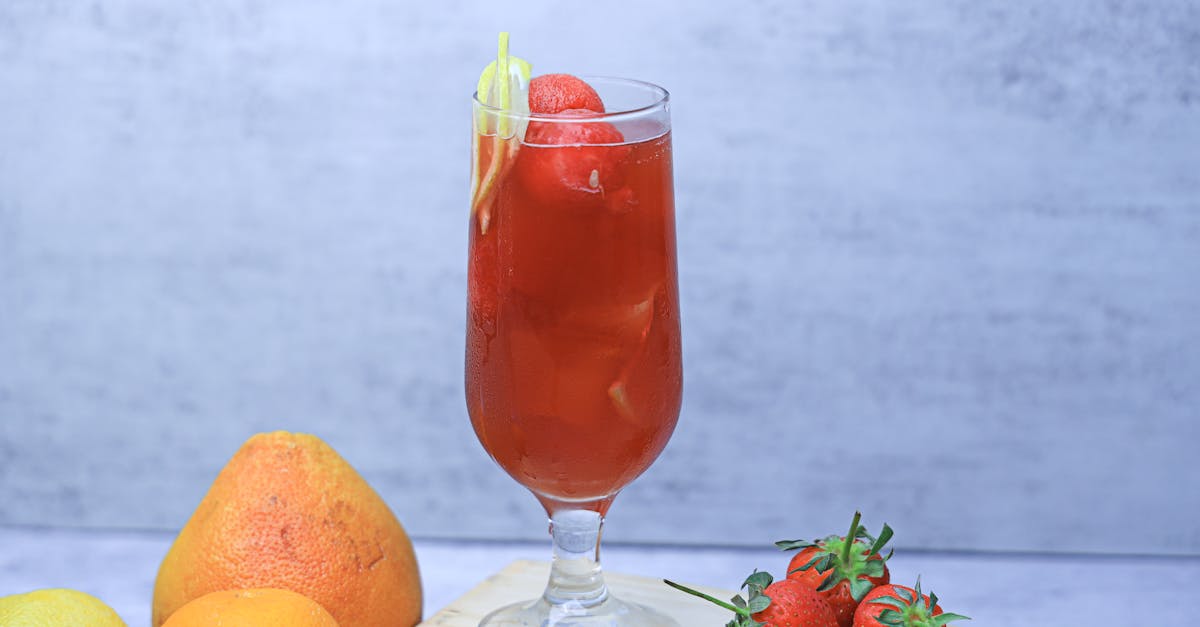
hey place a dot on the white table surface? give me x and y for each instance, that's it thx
(1010, 590)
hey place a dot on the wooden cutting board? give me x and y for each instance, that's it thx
(525, 579)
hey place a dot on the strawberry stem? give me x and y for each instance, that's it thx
(741, 611)
(850, 537)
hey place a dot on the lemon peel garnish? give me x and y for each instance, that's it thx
(503, 85)
(499, 94)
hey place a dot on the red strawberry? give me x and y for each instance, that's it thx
(843, 569)
(900, 606)
(770, 603)
(795, 605)
(569, 161)
(555, 93)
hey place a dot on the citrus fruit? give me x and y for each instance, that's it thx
(262, 607)
(509, 94)
(503, 85)
(55, 607)
(288, 512)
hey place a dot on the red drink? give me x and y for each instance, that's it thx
(573, 367)
(573, 344)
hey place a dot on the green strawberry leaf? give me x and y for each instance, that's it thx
(828, 583)
(892, 602)
(817, 557)
(789, 545)
(759, 603)
(860, 587)
(883, 538)
(758, 579)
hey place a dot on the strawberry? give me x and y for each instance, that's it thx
(555, 93)
(795, 605)
(770, 603)
(894, 605)
(843, 569)
(570, 162)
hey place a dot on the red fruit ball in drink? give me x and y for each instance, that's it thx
(572, 161)
(556, 93)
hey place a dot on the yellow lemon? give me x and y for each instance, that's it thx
(55, 607)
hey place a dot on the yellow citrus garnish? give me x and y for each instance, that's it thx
(499, 94)
(503, 85)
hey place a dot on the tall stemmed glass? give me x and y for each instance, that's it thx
(573, 344)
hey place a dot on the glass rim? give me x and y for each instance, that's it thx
(661, 101)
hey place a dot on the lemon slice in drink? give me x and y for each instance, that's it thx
(506, 95)
(504, 85)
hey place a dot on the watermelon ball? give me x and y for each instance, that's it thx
(556, 93)
(572, 162)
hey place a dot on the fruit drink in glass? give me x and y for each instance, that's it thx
(573, 369)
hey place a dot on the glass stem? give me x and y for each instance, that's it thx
(576, 579)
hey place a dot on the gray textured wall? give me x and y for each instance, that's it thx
(939, 260)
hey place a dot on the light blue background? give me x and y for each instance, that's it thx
(939, 261)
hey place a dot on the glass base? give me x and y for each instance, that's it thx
(608, 613)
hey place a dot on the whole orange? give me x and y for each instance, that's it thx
(288, 512)
(262, 607)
